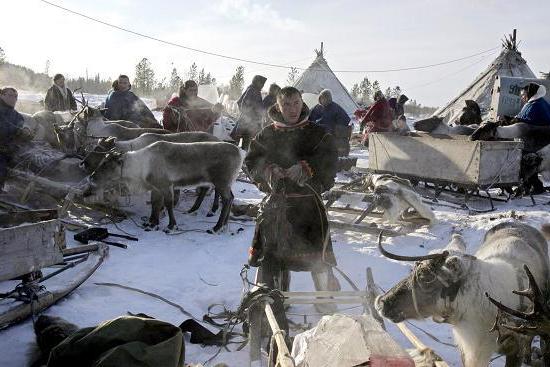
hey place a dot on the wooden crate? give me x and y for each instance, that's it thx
(446, 159)
(28, 247)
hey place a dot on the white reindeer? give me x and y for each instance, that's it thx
(451, 287)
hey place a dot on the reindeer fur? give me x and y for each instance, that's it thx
(395, 195)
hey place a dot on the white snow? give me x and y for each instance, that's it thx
(196, 269)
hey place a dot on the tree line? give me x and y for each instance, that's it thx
(146, 83)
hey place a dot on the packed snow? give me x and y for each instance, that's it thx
(195, 269)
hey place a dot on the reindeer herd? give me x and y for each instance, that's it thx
(142, 159)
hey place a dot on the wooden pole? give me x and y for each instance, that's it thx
(372, 293)
(422, 348)
(283, 356)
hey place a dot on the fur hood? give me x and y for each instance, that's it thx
(276, 116)
(541, 92)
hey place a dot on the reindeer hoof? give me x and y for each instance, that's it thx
(170, 229)
(151, 227)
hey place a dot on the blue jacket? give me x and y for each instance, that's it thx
(536, 112)
(11, 122)
(126, 106)
(330, 116)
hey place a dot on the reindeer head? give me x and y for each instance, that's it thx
(102, 161)
(433, 283)
(89, 113)
(487, 131)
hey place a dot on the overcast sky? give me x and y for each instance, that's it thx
(358, 35)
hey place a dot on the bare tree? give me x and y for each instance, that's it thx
(292, 76)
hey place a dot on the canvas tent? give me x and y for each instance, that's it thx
(508, 63)
(319, 76)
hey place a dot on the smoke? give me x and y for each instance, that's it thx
(23, 78)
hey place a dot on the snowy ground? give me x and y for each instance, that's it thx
(196, 269)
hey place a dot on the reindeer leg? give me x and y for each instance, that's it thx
(227, 201)
(168, 197)
(156, 207)
(202, 190)
(215, 204)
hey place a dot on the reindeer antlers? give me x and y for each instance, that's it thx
(536, 322)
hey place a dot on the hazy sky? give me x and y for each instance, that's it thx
(358, 35)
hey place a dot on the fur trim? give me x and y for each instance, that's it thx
(541, 92)
(278, 121)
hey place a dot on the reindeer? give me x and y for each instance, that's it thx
(150, 138)
(92, 126)
(450, 287)
(161, 166)
(395, 195)
(534, 137)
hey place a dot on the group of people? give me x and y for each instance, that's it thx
(292, 157)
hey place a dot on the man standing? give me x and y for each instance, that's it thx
(334, 119)
(251, 108)
(11, 130)
(293, 161)
(59, 97)
(123, 104)
(188, 112)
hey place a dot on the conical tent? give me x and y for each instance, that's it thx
(508, 63)
(319, 76)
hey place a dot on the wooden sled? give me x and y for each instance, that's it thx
(32, 297)
(35, 269)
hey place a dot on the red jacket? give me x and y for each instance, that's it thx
(377, 119)
(181, 115)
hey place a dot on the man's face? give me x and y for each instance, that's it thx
(323, 100)
(192, 91)
(9, 97)
(523, 96)
(290, 108)
(123, 84)
(60, 82)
